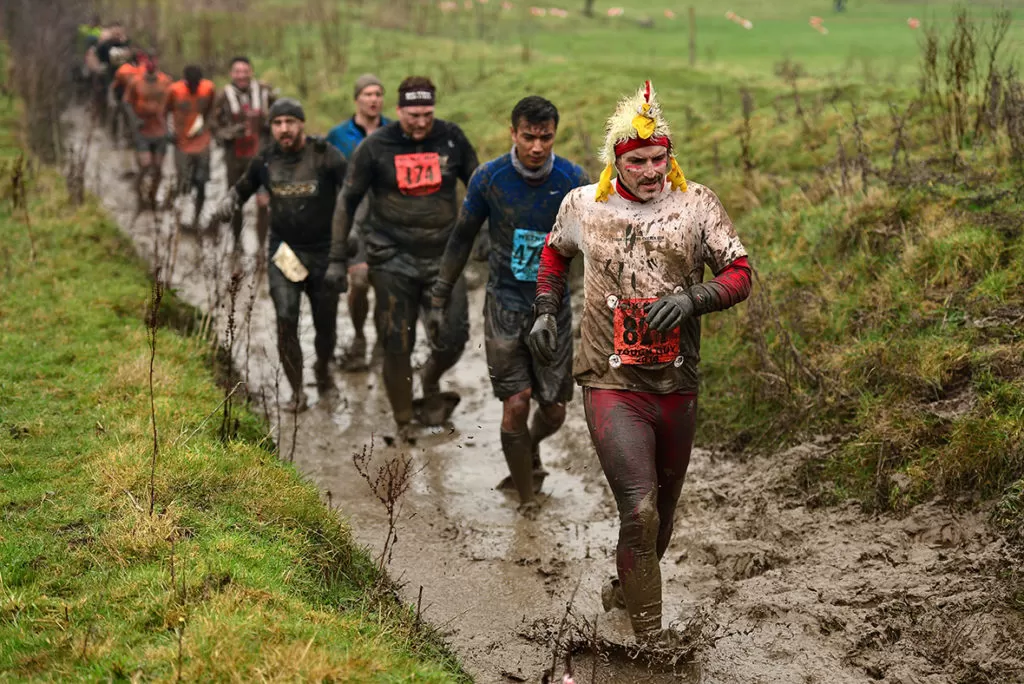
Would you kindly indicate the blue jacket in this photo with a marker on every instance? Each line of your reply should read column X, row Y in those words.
column 519, row 217
column 347, row 135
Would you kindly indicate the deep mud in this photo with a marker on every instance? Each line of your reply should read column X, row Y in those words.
column 770, row 588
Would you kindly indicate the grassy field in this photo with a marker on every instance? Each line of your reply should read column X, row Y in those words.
column 239, row 572
column 890, row 289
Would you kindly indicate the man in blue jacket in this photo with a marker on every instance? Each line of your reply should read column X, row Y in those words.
column 346, row 136
column 519, row 194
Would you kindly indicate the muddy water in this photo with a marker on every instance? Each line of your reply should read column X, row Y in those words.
column 775, row 590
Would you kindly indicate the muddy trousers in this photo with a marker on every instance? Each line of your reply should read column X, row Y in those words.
column 399, row 299
column 324, row 303
column 236, row 168
column 643, row 441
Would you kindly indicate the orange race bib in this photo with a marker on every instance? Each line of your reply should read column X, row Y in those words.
column 418, row 174
column 635, row 344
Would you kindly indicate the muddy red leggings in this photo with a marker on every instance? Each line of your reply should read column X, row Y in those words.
column 643, row 442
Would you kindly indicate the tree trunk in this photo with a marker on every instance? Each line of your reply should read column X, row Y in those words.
column 588, row 8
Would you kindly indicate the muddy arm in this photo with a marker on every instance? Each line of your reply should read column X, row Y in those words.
column 472, row 215
column 357, row 183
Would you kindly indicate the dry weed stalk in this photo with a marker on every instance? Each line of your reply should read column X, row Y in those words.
column 152, row 323
column 389, row 485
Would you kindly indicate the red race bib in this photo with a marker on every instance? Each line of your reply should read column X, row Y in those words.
column 636, row 344
column 418, row 174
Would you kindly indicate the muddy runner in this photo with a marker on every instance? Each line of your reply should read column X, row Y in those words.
column 768, row 585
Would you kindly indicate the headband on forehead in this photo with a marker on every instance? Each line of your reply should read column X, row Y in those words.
column 637, row 122
column 416, row 97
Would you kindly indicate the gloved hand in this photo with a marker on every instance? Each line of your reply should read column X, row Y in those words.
column 336, row 277
column 226, row 209
column 233, row 131
column 435, row 319
column 543, row 340
column 668, row 312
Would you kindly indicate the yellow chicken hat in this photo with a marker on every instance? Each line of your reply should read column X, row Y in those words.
column 637, row 122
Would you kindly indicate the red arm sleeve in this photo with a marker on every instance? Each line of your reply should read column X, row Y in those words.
column 730, row 287
column 551, row 277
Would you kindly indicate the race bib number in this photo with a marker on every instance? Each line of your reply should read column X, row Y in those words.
column 635, row 343
column 418, row 174
column 526, row 249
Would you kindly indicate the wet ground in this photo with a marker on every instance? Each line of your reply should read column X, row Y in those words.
column 769, row 587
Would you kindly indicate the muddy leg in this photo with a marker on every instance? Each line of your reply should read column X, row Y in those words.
column 622, row 429
column 358, row 308
column 324, row 303
column 675, row 431
column 517, row 444
column 397, row 301
column 453, row 338
column 286, row 296
column 546, row 422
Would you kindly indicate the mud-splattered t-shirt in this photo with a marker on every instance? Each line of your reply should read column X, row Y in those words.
column 634, row 253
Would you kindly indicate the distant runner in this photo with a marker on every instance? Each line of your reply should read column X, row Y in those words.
column 190, row 101
column 145, row 102
column 645, row 239
column 412, row 167
column 518, row 194
column 304, row 176
column 239, row 122
column 346, row 136
column 123, row 77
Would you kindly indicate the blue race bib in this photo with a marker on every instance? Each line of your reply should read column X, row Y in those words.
column 526, row 249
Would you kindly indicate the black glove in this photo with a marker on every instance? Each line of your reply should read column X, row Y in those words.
column 668, row 312
column 229, row 133
column 226, row 209
column 336, row 278
column 543, row 340
column 435, row 319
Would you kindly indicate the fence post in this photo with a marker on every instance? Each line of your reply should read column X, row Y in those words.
column 693, row 37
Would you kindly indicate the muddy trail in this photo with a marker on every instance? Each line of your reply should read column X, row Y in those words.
column 769, row 586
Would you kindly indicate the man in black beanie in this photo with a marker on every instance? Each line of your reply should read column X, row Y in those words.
column 303, row 175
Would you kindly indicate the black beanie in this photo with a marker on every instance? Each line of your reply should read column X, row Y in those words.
column 286, row 106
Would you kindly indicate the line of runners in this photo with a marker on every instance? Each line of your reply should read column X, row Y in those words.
column 374, row 204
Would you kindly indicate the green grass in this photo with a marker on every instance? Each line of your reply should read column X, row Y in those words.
column 267, row 583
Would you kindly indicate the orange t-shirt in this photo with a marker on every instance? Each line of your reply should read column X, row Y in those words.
column 148, row 99
column 186, row 107
column 126, row 73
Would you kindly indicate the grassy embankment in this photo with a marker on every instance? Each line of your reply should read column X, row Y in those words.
column 239, row 573
column 889, row 299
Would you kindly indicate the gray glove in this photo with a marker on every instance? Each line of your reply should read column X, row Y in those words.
column 336, row 277
column 668, row 312
column 543, row 340
column 226, row 209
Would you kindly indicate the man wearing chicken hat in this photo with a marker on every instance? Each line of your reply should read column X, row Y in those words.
column 645, row 236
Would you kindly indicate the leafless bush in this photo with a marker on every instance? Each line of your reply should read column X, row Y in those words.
column 389, row 484
column 18, row 194
column 152, row 324
column 1013, row 114
column 746, row 131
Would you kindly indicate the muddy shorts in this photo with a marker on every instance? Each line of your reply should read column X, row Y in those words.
column 399, row 299
column 510, row 363
column 156, row 144
column 193, row 169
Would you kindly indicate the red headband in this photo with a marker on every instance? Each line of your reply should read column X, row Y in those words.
column 636, row 143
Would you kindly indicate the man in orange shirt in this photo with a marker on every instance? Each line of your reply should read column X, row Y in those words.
column 123, row 77
column 190, row 102
column 145, row 103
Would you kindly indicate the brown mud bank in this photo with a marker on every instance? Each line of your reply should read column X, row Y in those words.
column 769, row 587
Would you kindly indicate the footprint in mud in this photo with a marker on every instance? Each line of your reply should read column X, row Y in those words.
column 739, row 560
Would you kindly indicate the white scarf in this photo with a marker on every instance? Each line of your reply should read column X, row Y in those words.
column 257, row 98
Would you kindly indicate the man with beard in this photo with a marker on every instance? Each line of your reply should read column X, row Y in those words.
column 411, row 168
column 304, row 176
column 645, row 238
column 190, row 101
column 145, row 102
column 346, row 136
column 239, row 123
column 518, row 194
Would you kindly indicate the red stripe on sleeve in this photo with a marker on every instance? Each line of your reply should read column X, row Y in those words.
column 554, row 269
column 735, row 280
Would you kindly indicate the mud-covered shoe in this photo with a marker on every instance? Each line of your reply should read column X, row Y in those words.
column 353, row 360
column 612, row 596
column 529, row 509
column 539, row 473
column 435, row 409
column 324, row 378
column 298, row 403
